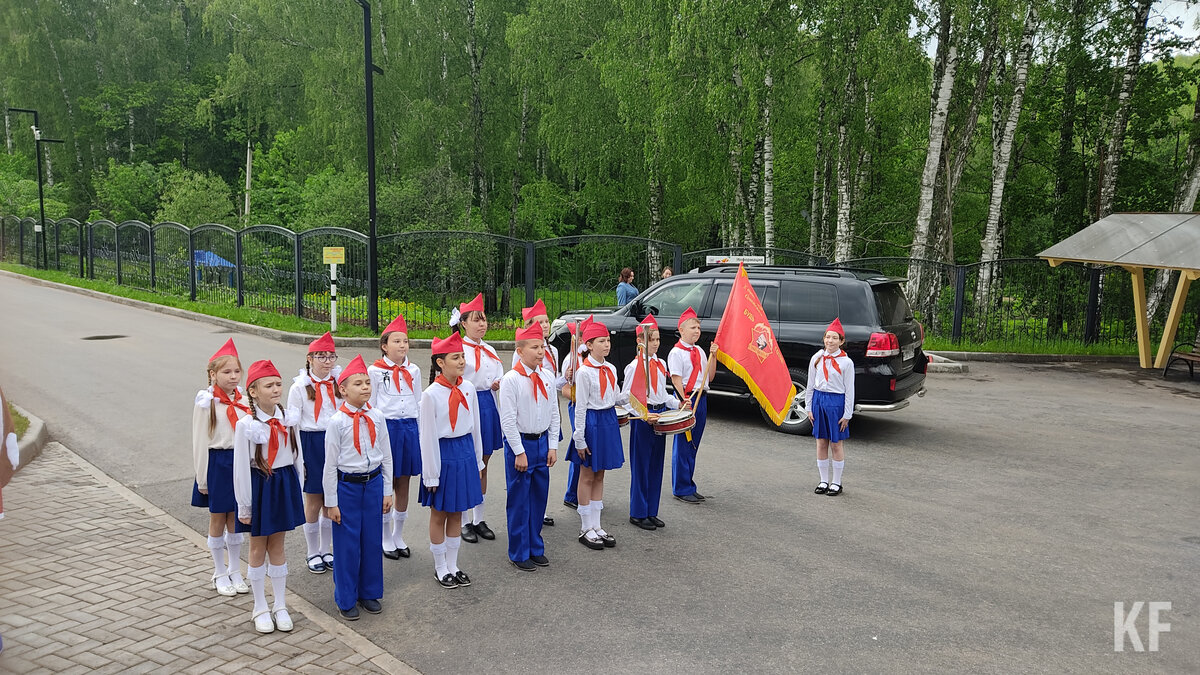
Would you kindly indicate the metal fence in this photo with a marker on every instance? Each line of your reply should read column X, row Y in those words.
column 1012, row 304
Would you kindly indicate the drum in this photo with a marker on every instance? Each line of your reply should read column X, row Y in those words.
column 622, row 418
column 674, row 422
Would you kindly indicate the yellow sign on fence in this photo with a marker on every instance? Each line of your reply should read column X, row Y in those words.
column 334, row 255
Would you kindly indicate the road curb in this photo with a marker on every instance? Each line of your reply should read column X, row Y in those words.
column 1002, row 357
column 939, row 364
column 261, row 331
column 35, row 439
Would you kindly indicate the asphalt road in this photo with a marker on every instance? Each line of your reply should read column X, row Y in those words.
column 991, row 526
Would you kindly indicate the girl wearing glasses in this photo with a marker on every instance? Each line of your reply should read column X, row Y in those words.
column 313, row 399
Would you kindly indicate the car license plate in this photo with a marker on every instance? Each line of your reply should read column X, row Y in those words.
column 908, row 353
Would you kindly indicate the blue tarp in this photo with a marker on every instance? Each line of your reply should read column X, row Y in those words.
column 210, row 259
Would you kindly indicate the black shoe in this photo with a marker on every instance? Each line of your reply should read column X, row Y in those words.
column 349, row 614
column 821, row 488
column 392, row 554
column 699, row 496
column 834, row 490
column 656, row 521
column 405, row 552
column 482, row 529
column 643, row 523
column 462, row 578
column 548, row 521
column 570, row 504
column 316, row 565
column 468, row 534
column 371, row 606
column 524, row 565
column 609, row 540
column 447, row 581
column 540, row 560
column 596, row 544
column 691, row 499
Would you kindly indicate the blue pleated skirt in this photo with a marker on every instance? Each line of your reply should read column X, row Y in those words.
column 406, row 446
column 220, row 497
column 827, row 409
column 278, row 505
column 312, row 444
column 458, row 487
column 603, row 435
column 489, row 422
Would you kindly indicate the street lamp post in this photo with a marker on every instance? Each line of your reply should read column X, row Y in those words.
column 40, row 231
column 372, row 248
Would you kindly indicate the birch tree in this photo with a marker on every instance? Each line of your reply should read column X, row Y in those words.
column 1112, row 157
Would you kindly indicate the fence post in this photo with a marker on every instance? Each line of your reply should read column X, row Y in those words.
column 191, row 266
column 960, row 291
column 57, row 245
column 153, row 260
column 91, row 248
column 676, row 261
column 21, row 241
column 299, row 276
column 237, row 249
column 80, row 251
column 117, row 249
column 1091, row 322
column 530, row 261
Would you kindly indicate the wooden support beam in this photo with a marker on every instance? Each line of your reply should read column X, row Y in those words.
column 1186, row 277
column 1139, row 308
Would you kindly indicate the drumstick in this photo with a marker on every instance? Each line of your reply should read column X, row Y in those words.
column 644, row 363
column 695, row 397
column 572, row 364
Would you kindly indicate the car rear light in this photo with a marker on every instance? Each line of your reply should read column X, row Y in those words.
column 892, row 384
column 882, row 345
column 921, row 327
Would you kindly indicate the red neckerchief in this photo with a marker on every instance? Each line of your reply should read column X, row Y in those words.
column 537, row 381
column 457, row 398
column 232, row 405
column 319, row 385
column 354, row 417
column 397, row 371
column 694, row 352
column 656, row 367
column 605, row 375
column 479, row 351
column 826, row 358
column 278, row 431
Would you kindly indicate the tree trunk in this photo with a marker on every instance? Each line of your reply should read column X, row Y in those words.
column 1112, row 158
column 843, row 238
column 814, row 221
column 768, row 175
column 1004, row 129
column 864, row 155
column 752, row 198
column 919, row 281
column 516, row 197
column 1069, row 201
column 1185, row 202
column 656, row 198
column 475, row 54
column 739, row 189
column 62, row 85
column 827, row 223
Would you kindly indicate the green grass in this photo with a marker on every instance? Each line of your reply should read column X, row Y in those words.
column 256, row 317
column 935, row 344
column 19, row 421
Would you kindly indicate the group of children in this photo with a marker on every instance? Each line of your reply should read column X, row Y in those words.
column 337, row 457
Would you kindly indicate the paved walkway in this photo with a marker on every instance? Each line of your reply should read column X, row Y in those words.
column 95, row 579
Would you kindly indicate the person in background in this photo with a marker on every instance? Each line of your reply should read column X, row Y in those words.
column 626, row 291
column 667, row 272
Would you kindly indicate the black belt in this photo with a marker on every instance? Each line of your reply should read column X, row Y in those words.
column 359, row 477
column 658, row 407
column 533, row 437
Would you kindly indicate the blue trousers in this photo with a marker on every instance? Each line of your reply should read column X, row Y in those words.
column 683, row 459
column 572, row 472
column 647, row 453
column 358, row 543
column 528, row 491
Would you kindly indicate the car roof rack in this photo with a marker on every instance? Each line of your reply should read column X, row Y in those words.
column 861, row 273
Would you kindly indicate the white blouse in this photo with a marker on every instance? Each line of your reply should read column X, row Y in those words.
column 251, row 431
column 305, row 409
column 488, row 370
column 395, row 405
column 435, row 425
column 658, row 389
column 588, row 396
column 341, row 455
column 521, row 412
column 836, row 383
column 202, row 440
column 679, row 362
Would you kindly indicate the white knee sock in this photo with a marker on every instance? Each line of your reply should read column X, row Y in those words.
column 452, row 545
column 387, row 532
column 585, row 521
column 278, row 576
column 216, row 546
column 312, row 537
column 597, row 509
column 439, row 559
column 258, row 577
column 837, row 471
column 477, row 513
column 398, row 518
column 326, row 534
column 823, row 467
column 233, row 544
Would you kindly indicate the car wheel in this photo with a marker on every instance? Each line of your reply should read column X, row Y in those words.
column 796, row 422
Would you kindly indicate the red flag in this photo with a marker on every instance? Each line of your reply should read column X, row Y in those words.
column 639, row 388
column 748, row 349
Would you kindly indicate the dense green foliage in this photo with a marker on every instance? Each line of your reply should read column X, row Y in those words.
column 541, row 118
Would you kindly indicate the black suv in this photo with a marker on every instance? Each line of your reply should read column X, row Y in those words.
column 882, row 338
